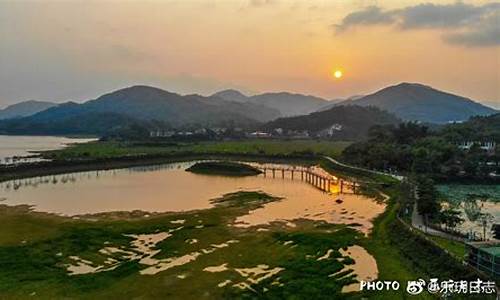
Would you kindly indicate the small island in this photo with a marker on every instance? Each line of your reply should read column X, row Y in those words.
column 225, row 168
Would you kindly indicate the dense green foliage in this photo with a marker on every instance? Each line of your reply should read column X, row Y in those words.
column 427, row 200
column 226, row 168
column 475, row 129
column 411, row 148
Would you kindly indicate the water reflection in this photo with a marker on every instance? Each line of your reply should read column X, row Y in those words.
column 169, row 187
column 20, row 149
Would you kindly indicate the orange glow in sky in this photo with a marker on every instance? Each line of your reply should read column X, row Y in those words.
column 254, row 46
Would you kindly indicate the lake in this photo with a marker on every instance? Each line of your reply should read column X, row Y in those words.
column 21, row 146
column 169, row 188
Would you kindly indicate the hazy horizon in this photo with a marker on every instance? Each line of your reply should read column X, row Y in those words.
column 79, row 50
column 492, row 104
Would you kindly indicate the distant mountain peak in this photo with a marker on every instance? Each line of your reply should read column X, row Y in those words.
column 410, row 84
column 231, row 95
column 24, row 109
column 231, row 91
column 418, row 102
column 140, row 89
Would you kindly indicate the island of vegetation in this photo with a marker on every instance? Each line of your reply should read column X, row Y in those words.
column 225, row 168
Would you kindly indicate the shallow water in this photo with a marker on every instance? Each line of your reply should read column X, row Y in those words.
column 171, row 188
column 19, row 146
column 365, row 266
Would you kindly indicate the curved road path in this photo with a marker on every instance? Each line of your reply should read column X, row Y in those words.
column 417, row 220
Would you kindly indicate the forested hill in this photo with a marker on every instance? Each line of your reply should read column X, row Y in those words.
column 136, row 105
column 354, row 121
column 411, row 147
column 476, row 129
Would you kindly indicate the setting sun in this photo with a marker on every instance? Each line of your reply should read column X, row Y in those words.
column 337, row 74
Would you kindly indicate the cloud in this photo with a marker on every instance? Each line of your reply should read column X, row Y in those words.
column 261, row 2
column 461, row 24
column 486, row 33
column 371, row 15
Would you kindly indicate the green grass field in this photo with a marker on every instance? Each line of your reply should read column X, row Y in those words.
column 246, row 147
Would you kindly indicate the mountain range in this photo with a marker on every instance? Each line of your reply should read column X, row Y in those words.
column 144, row 103
column 287, row 104
column 24, row 109
column 230, row 108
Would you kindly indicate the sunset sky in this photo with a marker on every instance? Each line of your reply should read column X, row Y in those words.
column 78, row 50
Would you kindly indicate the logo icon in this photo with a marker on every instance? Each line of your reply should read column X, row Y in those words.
column 415, row 287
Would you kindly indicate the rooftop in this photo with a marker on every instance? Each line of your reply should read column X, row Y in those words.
column 490, row 247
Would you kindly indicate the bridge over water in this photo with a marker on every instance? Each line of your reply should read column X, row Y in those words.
column 324, row 182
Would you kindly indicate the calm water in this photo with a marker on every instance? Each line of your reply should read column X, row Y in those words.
column 171, row 188
column 11, row 146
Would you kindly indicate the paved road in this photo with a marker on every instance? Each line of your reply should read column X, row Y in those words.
column 398, row 177
column 417, row 221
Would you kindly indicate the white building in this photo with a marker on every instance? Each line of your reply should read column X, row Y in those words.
column 488, row 146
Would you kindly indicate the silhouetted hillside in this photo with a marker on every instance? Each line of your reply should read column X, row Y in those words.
column 349, row 122
column 416, row 102
column 24, row 109
column 287, row 104
column 144, row 103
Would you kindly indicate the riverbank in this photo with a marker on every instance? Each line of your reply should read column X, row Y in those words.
column 391, row 250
